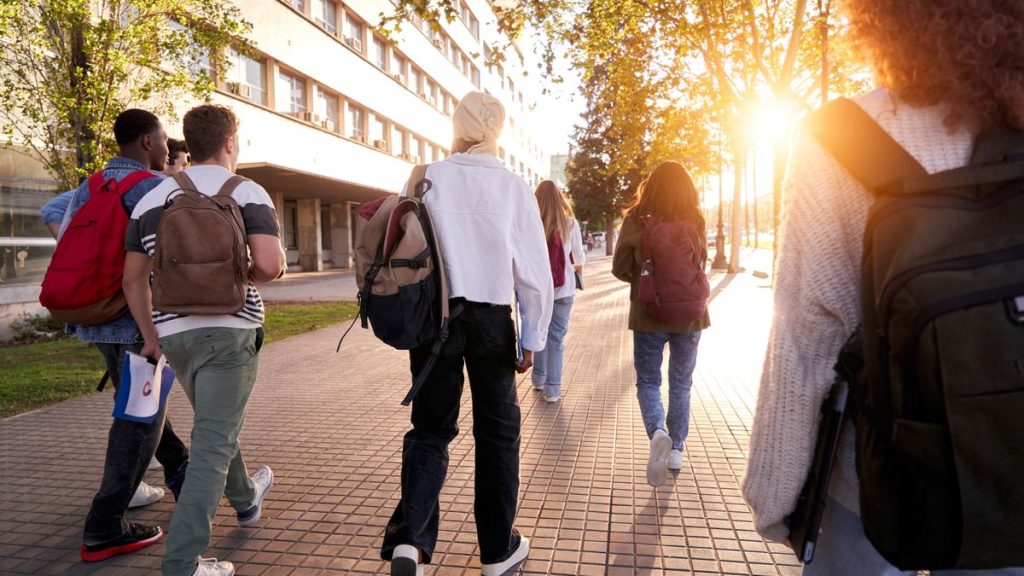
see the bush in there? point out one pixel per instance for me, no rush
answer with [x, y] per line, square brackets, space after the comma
[42, 328]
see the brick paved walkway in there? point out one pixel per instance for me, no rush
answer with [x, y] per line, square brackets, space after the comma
[331, 426]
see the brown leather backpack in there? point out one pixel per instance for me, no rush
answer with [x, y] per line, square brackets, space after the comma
[201, 258]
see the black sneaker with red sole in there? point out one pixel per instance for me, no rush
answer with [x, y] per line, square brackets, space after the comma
[137, 537]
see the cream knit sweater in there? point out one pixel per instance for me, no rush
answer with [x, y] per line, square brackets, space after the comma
[817, 278]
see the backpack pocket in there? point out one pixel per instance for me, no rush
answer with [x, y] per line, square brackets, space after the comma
[405, 319]
[196, 287]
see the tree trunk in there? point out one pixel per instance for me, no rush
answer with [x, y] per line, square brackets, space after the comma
[609, 234]
[737, 212]
[83, 134]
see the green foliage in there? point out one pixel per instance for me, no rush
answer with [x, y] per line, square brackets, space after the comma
[69, 67]
[42, 328]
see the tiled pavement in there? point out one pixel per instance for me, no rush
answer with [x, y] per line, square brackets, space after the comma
[331, 426]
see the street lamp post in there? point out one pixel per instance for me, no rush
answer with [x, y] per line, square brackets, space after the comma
[719, 262]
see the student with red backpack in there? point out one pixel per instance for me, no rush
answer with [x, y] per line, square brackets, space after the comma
[565, 253]
[90, 223]
[661, 252]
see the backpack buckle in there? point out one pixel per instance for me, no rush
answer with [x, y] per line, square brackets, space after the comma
[1015, 309]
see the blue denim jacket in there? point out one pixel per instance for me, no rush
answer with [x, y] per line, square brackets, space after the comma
[60, 209]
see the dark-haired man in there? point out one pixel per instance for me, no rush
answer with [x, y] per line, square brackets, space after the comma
[142, 142]
[215, 356]
[177, 157]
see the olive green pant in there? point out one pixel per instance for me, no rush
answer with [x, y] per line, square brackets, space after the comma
[217, 369]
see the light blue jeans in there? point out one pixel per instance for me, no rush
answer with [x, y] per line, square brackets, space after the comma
[547, 364]
[844, 550]
[648, 351]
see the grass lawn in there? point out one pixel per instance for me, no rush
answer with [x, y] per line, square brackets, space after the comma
[34, 375]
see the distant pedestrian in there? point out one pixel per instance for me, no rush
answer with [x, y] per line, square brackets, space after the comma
[563, 235]
[215, 355]
[130, 446]
[492, 242]
[666, 197]
[177, 157]
[590, 242]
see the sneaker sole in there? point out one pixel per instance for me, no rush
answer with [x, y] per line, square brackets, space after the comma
[100, 555]
[259, 510]
[403, 567]
[552, 399]
[657, 465]
[517, 559]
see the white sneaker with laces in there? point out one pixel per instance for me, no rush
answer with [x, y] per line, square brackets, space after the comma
[146, 495]
[657, 461]
[263, 478]
[552, 399]
[510, 565]
[213, 567]
[675, 459]
[405, 561]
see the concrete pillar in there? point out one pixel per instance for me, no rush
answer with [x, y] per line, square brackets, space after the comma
[341, 245]
[278, 199]
[308, 235]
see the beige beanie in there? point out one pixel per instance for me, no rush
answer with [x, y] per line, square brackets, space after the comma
[479, 118]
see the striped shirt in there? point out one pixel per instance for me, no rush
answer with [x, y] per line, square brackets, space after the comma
[258, 216]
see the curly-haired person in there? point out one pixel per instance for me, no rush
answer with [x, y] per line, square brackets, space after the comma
[949, 69]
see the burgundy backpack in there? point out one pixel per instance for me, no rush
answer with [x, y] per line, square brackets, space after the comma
[556, 256]
[672, 285]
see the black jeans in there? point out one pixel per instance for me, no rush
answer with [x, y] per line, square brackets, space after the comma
[484, 338]
[130, 446]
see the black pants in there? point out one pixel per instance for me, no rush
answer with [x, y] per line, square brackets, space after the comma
[130, 446]
[482, 337]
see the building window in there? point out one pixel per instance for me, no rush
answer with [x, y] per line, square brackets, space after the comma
[397, 65]
[291, 93]
[474, 27]
[354, 33]
[326, 106]
[299, 5]
[432, 92]
[291, 224]
[328, 15]
[356, 126]
[416, 148]
[397, 141]
[379, 53]
[476, 77]
[414, 79]
[379, 132]
[248, 77]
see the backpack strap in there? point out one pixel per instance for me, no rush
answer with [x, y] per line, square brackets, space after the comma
[184, 183]
[413, 188]
[867, 151]
[228, 188]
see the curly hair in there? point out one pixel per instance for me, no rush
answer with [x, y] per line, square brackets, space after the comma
[967, 54]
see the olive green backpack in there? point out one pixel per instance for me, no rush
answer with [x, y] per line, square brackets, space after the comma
[939, 403]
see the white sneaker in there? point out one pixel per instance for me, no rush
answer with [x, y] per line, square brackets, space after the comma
[213, 567]
[552, 398]
[405, 561]
[657, 461]
[510, 565]
[263, 478]
[146, 495]
[675, 459]
[155, 464]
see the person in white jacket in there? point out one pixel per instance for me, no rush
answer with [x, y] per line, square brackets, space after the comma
[492, 242]
[940, 63]
[563, 234]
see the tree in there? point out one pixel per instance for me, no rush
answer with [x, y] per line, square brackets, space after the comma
[69, 67]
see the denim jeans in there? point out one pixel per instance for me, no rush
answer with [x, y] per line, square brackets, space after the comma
[648, 350]
[547, 364]
[844, 550]
[483, 338]
[130, 446]
[217, 370]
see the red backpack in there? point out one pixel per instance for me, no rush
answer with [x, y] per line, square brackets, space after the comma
[83, 282]
[556, 256]
[672, 285]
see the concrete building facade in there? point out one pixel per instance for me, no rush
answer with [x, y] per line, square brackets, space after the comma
[332, 115]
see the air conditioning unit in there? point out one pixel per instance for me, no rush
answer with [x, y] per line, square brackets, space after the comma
[308, 117]
[328, 125]
[433, 102]
[380, 144]
[400, 78]
[438, 43]
[361, 138]
[233, 87]
[354, 43]
[411, 158]
[245, 91]
[425, 96]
